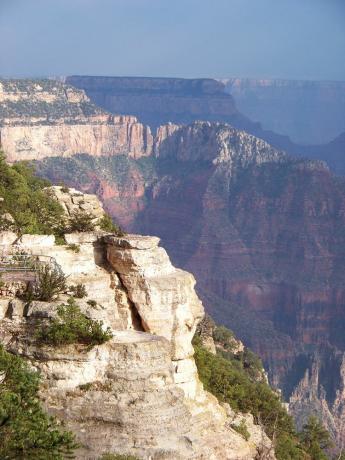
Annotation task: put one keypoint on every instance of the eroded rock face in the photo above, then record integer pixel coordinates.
(77, 203)
(261, 232)
(139, 393)
(61, 121)
(321, 392)
(164, 298)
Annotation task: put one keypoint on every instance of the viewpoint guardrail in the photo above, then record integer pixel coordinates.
(26, 263)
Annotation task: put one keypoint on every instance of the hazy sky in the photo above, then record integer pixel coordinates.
(186, 38)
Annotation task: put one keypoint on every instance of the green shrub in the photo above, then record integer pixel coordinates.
(315, 439)
(79, 291)
(73, 247)
(32, 209)
(108, 225)
(50, 283)
(229, 382)
(26, 431)
(59, 239)
(72, 326)
(222, 335)
(81, 221)
(241, 429)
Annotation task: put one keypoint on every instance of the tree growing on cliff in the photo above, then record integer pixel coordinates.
(26, 202)
(26, 431)
(315, 439)
(231, 381)
(73, 326)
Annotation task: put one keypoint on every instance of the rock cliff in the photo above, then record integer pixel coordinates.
(156, 101)
(45, 118)
(313, 112)
(262, 232)
(321, 391)
(139, 393)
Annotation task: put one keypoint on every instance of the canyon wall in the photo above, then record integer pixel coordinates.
(261, 231)
(304, 118)
(309, 112)
(156, 101)
(45, 118)
(138, 393)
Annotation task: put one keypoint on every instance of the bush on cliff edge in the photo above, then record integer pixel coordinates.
(32, 210)
(26, 431)
(225, 379)
(72, 326)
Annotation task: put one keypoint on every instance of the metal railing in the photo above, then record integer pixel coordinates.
(26, 263)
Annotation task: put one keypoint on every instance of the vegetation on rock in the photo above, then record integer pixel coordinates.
(230, 382)
(26, 431)
(73, 326)
(51, 282)
(79, 291)
(108, 225)
(73, 247)
(24, 201)
(233, 378)
(81, 222)
(241, 429)
(315, 439)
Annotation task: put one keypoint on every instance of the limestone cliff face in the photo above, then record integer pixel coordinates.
(139, 393)
(40, 119)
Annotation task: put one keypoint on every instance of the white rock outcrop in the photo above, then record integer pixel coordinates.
(139, 393)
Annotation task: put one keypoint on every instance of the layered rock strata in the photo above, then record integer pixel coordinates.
(261, 231)
(45, 118)
(139, 393)
(157, 101)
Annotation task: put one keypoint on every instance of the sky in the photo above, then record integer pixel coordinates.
(292, 39)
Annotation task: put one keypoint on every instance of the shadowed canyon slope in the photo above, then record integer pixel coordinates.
(156, 101)
(309, 112)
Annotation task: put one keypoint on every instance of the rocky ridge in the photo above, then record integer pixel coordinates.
(313, 112)
(138, 393)
(157, 101)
